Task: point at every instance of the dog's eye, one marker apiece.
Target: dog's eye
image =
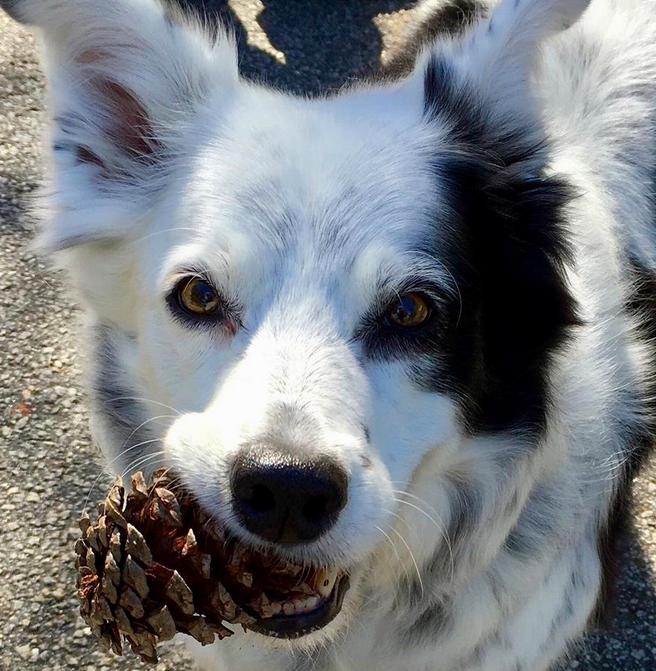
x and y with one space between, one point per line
197 296
408 311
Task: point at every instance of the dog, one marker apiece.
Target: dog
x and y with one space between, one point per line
402 335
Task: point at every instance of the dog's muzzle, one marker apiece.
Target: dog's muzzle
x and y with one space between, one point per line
287 500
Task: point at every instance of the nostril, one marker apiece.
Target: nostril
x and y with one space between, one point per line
262 499
316 509
320 508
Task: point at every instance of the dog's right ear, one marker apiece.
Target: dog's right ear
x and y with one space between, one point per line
126 78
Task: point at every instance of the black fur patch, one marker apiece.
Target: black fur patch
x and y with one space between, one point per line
613 536
451 18
538 525
434 621
507 256
115 401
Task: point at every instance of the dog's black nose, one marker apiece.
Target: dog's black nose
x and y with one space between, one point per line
284 498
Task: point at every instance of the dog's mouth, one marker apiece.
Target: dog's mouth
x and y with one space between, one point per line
287 600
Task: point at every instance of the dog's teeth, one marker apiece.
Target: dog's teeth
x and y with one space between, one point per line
326 580
306 605
309 598
312 602
295 607
276 608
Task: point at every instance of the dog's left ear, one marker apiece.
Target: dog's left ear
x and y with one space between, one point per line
126 78
496 57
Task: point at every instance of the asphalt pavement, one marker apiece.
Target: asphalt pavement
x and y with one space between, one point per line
48 466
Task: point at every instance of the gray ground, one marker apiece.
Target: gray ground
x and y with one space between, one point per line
48 466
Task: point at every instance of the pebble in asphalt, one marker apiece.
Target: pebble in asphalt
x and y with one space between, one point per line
48 466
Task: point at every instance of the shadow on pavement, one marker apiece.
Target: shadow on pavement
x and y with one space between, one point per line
318 49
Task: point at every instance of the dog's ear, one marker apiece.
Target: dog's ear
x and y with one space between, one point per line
125 80
496 56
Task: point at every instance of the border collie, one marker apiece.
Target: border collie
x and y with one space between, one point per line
404 334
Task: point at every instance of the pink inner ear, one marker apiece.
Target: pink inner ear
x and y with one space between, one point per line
84 155
131 129
126 125
88 56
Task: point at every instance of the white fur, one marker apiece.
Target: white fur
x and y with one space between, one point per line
351 175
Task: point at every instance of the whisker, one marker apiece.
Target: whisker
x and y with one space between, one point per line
438 526
144 400
382 531
417 498
115 459
166 230
414 561
441 527
142 461
147 421
396 554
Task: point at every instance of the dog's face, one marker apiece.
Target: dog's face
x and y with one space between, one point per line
313 306
290 302
290 305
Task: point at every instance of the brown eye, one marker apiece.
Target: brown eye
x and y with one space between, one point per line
198 297
408 311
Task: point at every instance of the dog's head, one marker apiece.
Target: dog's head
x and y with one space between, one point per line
316 306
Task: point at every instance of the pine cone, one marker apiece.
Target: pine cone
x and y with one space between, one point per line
153 564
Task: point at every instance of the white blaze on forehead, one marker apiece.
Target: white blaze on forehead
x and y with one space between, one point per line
283 170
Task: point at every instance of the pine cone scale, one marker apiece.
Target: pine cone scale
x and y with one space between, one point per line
109 589
162 623
131 603
112 571
134 576
123 621
136 546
